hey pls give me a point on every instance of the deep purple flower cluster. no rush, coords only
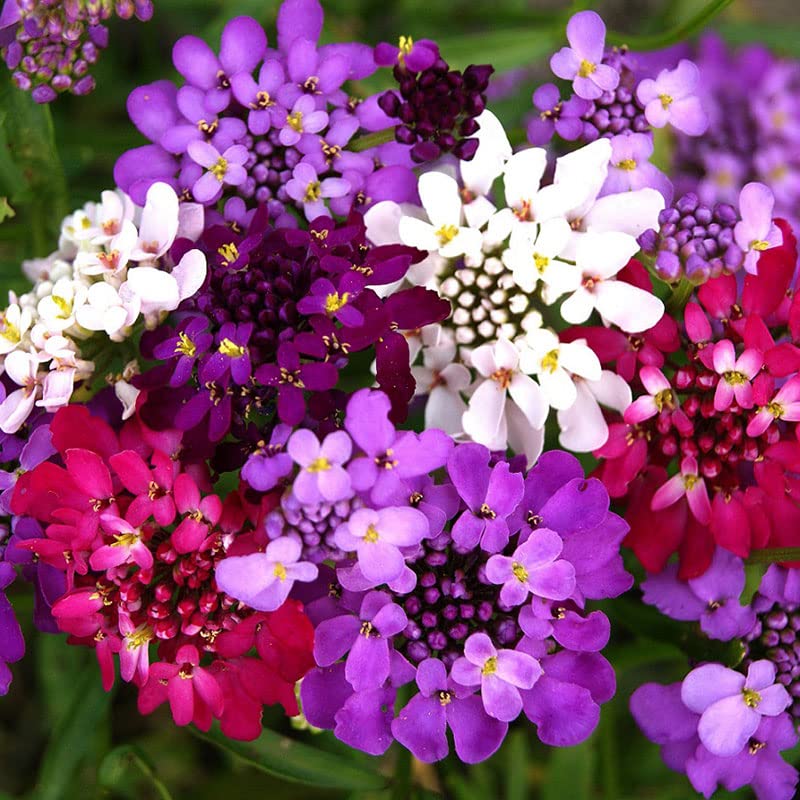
(277, 319)
(694, 240)
(467, 586)
(50, 45)
(437, 107)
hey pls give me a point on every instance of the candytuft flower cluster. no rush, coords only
(278, 414)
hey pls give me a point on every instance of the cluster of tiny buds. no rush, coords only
(487, 304)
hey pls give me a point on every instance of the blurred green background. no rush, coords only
(61, 736)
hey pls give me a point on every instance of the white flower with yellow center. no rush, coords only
(14, 323)
(555, 363)
(443, 233)
(535, 253)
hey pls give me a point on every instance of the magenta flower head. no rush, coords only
(322, 475)
(581, 62)
(756, 231)
(263, 581)
(415, 55)
(671, 98)
(222, 169)
(731, 705)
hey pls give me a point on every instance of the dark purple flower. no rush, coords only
(12, 645)
(190, 342)
(270, 462)
(232, 355)
(335, 301)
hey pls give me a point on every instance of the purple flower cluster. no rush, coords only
(277, 319)
(435, 105)
(724, 726)
(753, 102)
(272, 125)
(50, 45)
(466, 585)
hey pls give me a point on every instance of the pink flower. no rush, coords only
(784, 405)
(687, 482)
(134, 655)
(193, 692)
(127, 547)
(152, 487)
(660, 396)
(199, 515)
(736, 375)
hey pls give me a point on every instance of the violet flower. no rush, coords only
(260, 96)
(671, 98)
(310, 192)
(223, 168)
(756, 231)
(270, 462)
(563, 117)
(581, 62)
(322, 476)
(12, 645)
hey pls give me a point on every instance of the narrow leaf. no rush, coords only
(295, 762)
(570, 773)
(116, 768)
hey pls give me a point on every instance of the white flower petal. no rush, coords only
(627, 306)
(583, 427)
(627, 212)
(440, 198)
(484, 420)
(611, 391)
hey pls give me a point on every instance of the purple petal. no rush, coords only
(475, 734)
(368, 663)
(564, 713)
(726, 726)
(298, 18)
(243, 45)
(196, 61)
(468, 469)
(334, 637)
(709, 683)
(323, 692)
(365, 719)
(500, 699)
(422, 728)
(661, 714)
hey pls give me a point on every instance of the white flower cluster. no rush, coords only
(110, 269)
(551, 253)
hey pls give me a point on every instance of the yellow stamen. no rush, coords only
(586, 68)
(139, 638)
(125, 540)
(490, 667)
(219, 169)
(690, 481)
(776, 409)
(320, 464)
(231, 349)
(372, 534)
(185, 346)
(295, 121)
(735, 378)
(335, 302)
(550, 361)
(263, 100)
(663, 399)
(751, 698)
(540, 262)
(628, 164)
(229, 253)
(446, 234)
(279, 572)
(313, 192)
(502, 377)
(519, 571)
(666, 100)
(759, 244)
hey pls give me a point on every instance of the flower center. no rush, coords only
(586, 68)
(139, 638)
(519, 571)
(540, 262)
(405, 45)
(735, 378)
(490, 667)
(367, 629)
(664, 399)
(229, 348)
(320, 464)
(64, 306)
(185, 346)
(755, 746)
(502, 377)
(487, 512)
(759, 244)
(386, 461)
(208, 128)
(690, 481)
(446, 234)
(445, 698)
(335, 302)
(371, 534)
(229, 253)
(295, 121)
(125, 540)
(263, 100)
(313, 192)
(776, 409)
(9, 330)
(279, 571)
(666, 100)
(751, 697)
(292, 378)
(628, 164)
(550, 361)
(219, 169)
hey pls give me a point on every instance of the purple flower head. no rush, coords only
(441, 703)
(390, 456)
(322, 476)
(409, 54)
(581, 62)
(334, 301)
(563, 117)
(630, 168)
(671, 98)
(304, 118)
(270, 462)
(264, 580)
(223, 169)
(231, 356)
(499, 673)
(12, 645)
(377, 536)
(313, 73)
(310, 192)
(534, 568)
(491, 495)
(365, 638)
(260, 96)
(243, 45)
(182, 350)
(731, 705)
(756, 231)
(713, 598)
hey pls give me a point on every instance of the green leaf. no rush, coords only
(296, 762)
(116, 768)
(682, 31)
(6, 212)
(72, 735)
(516, 753)
(503, 49)
(570, 773)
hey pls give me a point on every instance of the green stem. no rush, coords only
(401, 783)
(677, 301)
(678, 33)
(369, 140)
(773, 555)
